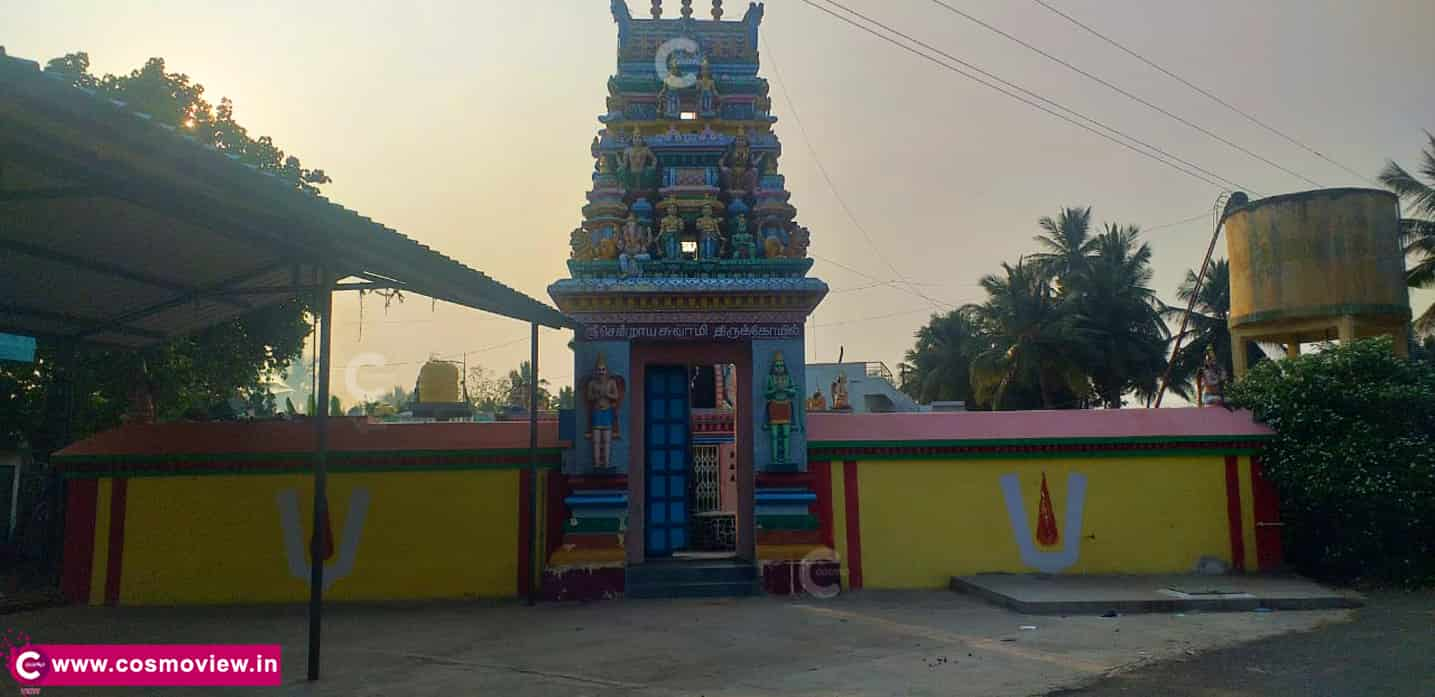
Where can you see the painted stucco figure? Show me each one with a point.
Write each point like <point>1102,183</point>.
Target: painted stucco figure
<point>1211,381</point>
<point>707,91</point>
<point>638,168</point>
<point>739,166</point>
<point>817,402</point>
<point>582,244</point>
<point>798,241</point>
<point>780,393</point>
<point>604,394</point>
<point>743,246</point>
<point>839,392</point>
<point>670,232</point>
<point>635,247</point>
<point>709,234</point>
<point>670,102</point>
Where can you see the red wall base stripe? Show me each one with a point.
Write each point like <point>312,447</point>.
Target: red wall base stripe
<point>854,525</point>
<point>119,495</point>
<point>1233,512</point>
<point>525,534</point>
<point>78,555</point>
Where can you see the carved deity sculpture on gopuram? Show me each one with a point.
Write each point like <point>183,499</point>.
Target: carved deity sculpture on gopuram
<point>689,256</point>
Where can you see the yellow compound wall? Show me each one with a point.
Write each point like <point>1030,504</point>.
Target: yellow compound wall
<point>221,539</point>
<point>924,521</point>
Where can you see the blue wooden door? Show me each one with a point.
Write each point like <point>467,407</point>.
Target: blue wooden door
<point>665,428</point>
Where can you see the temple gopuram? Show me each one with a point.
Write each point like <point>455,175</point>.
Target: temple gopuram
<point>689,280</point>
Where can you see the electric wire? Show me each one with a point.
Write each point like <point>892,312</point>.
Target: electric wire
<point>1136,98</point>
<point>1190,169</point>
<point>812,150</point>
<point>1203,91</point>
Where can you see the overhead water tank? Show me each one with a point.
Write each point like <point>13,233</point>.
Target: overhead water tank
<point>1317,265</point>
<point>438,383</point>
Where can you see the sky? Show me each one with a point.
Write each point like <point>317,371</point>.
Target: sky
<point>466,126</point>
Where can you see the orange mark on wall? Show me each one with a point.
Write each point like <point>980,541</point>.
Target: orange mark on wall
<point>1046,533</point>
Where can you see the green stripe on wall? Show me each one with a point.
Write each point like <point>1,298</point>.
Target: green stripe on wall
<point>592,525</point>
<point>787,522</point>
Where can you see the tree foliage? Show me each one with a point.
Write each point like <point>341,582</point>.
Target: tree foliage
<point>1071,326</point>
<point>195,376</point>
<point>1353,459</point>
<point>1031,338</point>
<point>1206,328</point>
<point>1115,305</point>
<point>173,99</point>
<point>1418,231</point>
<point>938,367</point>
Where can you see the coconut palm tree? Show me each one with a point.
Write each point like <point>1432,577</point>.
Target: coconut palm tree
<point>938,367</point>
<point>1033,343</point>
<point>1206,328</point>
<point>1066,243</point>
<point>1121,314</point>
<point>1419,230</point>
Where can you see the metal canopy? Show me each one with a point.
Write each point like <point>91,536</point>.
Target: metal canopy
<point>118,230</point>
<point>115,229</point>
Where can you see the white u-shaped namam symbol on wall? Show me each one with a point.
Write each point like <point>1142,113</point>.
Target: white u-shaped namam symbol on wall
<point>1048,562</point>
<point>348,543</point>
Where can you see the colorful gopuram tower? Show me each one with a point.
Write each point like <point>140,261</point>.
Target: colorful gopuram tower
<point>689,283</point>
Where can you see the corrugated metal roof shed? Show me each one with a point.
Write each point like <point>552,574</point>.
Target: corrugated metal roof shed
<point>118,230</point>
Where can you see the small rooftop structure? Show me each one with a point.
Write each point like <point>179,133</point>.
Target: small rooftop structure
<point>871,386</point>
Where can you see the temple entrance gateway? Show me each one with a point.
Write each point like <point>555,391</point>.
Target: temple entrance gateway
<point>668,459</point>
<point>688,279</point>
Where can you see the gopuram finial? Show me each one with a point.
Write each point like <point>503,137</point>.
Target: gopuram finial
<point>687,9</point>
<point>657,9</point>
<point>717,10</point>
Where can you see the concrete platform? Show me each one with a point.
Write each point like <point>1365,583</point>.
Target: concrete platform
<point>1043,594</point>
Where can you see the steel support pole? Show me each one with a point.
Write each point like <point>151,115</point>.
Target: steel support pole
<point>323,310</point>
<point>533,536</point>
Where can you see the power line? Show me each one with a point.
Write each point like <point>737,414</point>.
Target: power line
<point>1190,169</point>
<point>1203,91</point>
<point>1125,93</point>
<point>878,280</point>
<point>869,319</point>
<point>1183,221</point>
<point>812,150</point>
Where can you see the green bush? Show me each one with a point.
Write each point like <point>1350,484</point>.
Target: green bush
<point>1353,459</point>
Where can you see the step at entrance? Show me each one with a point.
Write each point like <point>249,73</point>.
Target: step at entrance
<point>691,579</point>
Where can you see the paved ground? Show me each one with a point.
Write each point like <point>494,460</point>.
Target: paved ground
<point>1044,594</point>
<point>870,643</point>
<point>1388,650</point>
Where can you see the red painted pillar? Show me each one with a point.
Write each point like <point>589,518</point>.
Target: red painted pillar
<point>1233,512</point>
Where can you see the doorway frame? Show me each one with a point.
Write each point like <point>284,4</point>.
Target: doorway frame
<point>643,354</point>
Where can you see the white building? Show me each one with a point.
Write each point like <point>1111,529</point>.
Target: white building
<point>871,386</point>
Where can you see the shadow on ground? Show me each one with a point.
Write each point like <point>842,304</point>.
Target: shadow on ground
<point>1387,650</point>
